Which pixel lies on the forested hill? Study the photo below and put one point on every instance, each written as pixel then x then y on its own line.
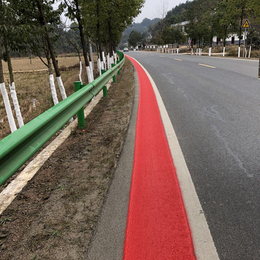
pixel 142 27
pixel 177 14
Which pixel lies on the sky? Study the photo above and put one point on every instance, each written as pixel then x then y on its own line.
pixel 155 8
pixel 151 9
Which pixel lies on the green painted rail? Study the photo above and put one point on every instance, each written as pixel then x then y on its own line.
pixel 18 147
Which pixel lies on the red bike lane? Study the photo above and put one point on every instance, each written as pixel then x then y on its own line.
pixel 157 224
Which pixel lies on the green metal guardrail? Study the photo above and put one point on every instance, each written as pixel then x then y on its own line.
pixel 18 147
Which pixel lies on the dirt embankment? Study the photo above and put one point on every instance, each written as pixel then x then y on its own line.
pixel 54 217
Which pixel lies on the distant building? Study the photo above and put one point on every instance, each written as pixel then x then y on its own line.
pixel 231 39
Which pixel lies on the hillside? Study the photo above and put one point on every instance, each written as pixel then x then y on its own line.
pixel 142 27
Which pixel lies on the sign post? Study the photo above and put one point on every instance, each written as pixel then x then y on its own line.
pixel 246 25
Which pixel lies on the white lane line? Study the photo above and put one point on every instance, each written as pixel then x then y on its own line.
pixel 205 65
pixel 16 186
pixel 203 243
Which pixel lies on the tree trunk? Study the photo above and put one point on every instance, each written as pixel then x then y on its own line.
pixel 98 33
pixel 110 36
pixel 82 38
pixel 7 104
pixel 240 29
pixel 51 80
pixel 47 37
pixel 12 85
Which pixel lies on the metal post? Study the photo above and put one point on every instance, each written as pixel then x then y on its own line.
pixel 114 77
pixel 105 91
pixel 80 114
pixel 105 87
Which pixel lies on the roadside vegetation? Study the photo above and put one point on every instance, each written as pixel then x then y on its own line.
pixel 33 28
pixel 205 19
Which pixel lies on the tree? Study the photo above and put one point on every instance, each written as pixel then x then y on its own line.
pixel 106 20
pixel 134 38
pixel 2 83
pixel 74 13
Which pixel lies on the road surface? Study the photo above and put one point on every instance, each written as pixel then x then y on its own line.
pixel 214 106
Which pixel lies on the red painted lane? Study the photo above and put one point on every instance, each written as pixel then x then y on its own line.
pixel 157 225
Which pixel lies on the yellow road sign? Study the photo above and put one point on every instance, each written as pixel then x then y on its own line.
pixel 246 24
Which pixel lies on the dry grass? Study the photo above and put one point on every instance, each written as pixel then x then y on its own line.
pixel 25 64
pixel 33 87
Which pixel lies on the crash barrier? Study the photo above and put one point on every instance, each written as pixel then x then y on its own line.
pixel 18 147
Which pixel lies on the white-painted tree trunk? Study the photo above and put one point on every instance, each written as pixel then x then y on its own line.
pixel 102 65
pixel 115 58
pixel 249 54
pixel 104 60
pixel 8 108
pixel 108 62
pixel 61 88
pixel 89 74
pixel 99 66
pixel 199 51
pixel 91 51
pixel 192 51
pixel 177 50
pixel 210 50
pixel 16 105
pixel 239 50
pixel 112 60
pixel 53 90
pixel 91 70
pixel 224 51
pixel 80 72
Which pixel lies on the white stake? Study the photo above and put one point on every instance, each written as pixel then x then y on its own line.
pixel 8 108
pixel 224 50
pixel 210 49
pixel 238 55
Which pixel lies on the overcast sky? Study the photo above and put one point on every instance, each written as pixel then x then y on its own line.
pixel 152 9
pixel 155 8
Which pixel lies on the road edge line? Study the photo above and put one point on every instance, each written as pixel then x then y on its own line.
pixel 203 243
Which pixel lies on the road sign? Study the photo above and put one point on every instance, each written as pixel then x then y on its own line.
pixel 246 24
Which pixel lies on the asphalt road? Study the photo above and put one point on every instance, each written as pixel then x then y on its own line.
pixel 214 106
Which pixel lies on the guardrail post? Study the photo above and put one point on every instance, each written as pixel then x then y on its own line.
pixel 118 73
pixel 114 77
pixel 80 114
pixel 105 87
